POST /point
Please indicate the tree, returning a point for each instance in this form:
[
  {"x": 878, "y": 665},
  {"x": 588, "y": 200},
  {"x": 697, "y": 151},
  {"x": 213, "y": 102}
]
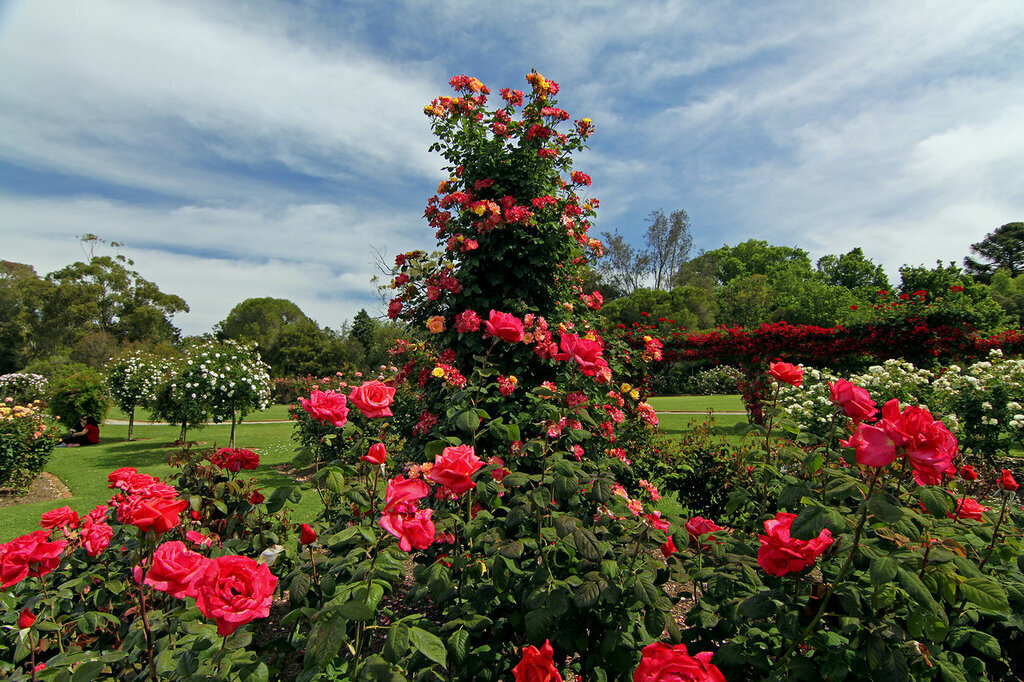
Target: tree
[
  {"x": 854, "y": 271},
  {"x": 1003, "y": 248},
  {"x": 953, "y": 295},
  {"x": 668, "y": 245},
  {"x": 622, "y": 265},
  {"x": 132, "y": 380},
  {"x": 260, "y": 320}
]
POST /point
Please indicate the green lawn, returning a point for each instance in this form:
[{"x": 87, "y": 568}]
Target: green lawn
[
  {"x": 272, "y": 413},
  {"x": 698, "y": 403},
  {"x": 679, "y": 424},
  {"x": 84, "y": 470}
]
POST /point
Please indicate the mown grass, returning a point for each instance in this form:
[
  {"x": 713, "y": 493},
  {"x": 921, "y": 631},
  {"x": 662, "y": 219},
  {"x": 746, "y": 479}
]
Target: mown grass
[
  {"x": 698, "y": 403},
  {"x": 272, "y": 413},
  {"x": 84, "y": 470}
]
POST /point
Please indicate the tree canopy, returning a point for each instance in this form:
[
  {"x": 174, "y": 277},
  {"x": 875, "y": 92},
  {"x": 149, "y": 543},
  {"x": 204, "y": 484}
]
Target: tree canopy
[{"x": 1003, "y": 248}]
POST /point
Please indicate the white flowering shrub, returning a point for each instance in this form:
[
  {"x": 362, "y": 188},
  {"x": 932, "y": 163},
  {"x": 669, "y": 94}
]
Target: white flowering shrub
[
  {"x": 897, "y": 379},
  {"x": 132, "y": 380},
  {"x": 809, "y": 405},
  {"x": 22, "y": 387},
  {"x": 720, "y": 380}
]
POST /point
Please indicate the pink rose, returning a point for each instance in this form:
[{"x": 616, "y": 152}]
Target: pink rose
[
  {"x": 326, "y": 406},
  {"x": 698, "y": 526},
  {"x": 59, "y": 518},
  {"x": 663, "y": 663},
  {"x": 873, "y": 445},
  {"x": 454, "y": 467},
  {"x": 786, "y": 373},
  {"x": 174, "y": 570},
  {"x": 968, "y": 508},
  {"x": 377, "y": 454},
  {"x": 854, "y": 400},
  {"x": 235, "y": 459},
  {"x": 158, "y": 514},
  {"x": 197, "y": 538},
  {"x": 95, "y": 536},
  {"x": 402, "y": 494},
  {"x": 117, "y": 475},
  {"x": 586, "y": 353},
  {"x": 412, "y": 530},
  {"x": 29, "y": 555},
  {"x": 25, "y": 619},
  {"x": 780, "y": 554},
  {"x": 467, "y": 322},
  {"x": 505, "y": 326},
  {"x": 669, "y": 548},
  {"x": 373, "y": 399},
  {"x": 234, "y": 590}
]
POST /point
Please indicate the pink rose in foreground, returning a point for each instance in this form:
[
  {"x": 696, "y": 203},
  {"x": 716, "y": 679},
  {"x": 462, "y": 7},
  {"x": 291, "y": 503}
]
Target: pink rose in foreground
[
  {"x": 95, "y": 536},
  {"x": 454, "y": 467},
  {"x": 234, "y": 590},
  {"x": 29, "y": 555},
  {"x": 402, "y": 494},
  {"x": 780, "y": 554},
  {"x": 587, "y": 353},
  {"x": 855, "y": 401},
  {"x": 174, "y": 570},
  {"x": 698, "y": 526},
  {"x": 786, "y": 373},
  {"x": 663, "y": 663},
  {"x": 373, "y": 399},
  {"x": 59, "y": 518},
  {"x": 414, "y": 530},
  {"x": 873, "y": 445},
  {"x": 326, "y": 406},
  {"x": 505, "y": 326},
  {"x": 537, "y": 665},
  {"x": 157, "y": 514}
]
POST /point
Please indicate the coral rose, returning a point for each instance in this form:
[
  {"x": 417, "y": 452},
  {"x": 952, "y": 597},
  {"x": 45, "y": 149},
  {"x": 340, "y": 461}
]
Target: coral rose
[
  {"x": 402, "y": 494},
  {"x": 95, "y": 536},
  {"x": 157, "y": 514},
  {"x": 780, "y": 554},
  {"x": 373, "y": 399},
  {"x": 968, "y": 508},
  {"x": 235, "y": 459},
  {"x": 537, "y": 665},
  {"x": 874, "y": 446},
  {"x": 505, "y": 326},
  {"x": 414, "y": 530},
  {"x": 786, "y": 373},
  {"x": 454, "y": 467},
  {"x": 586, "y": 353},
  {"x": 175, "y": 569},
  {"x": 234, "y": 590},
  {"x": 58, "y": 518},
  {"x": 663, "y": 663},
  {"x": 29, "y": 555},
  {"x": 377, "y": 454},
  {"x": 326, "y": 406},
  {"x": 855, "y": 401}
]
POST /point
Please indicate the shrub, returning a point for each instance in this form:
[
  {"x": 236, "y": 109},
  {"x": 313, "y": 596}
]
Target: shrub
[
  {"x": 27, "y": 440},
  {"x": 22, "y": 387},
  {"x": 80, "y": 392}
]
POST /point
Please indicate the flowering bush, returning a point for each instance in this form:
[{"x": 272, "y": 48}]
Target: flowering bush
[
  {"x": 132, "y": 380},
  {"x": 27, "y": 439},
  {"x": 719, "y": 380},
  {"x": 22, "y": 387}
]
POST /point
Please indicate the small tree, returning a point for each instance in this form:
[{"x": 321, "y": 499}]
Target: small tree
[
  {"x": 132, "y": 380},
  {"x": 181, "y": 397},
  {"x": 235, "y": 381},
  {"x": 1003, "y": 248}
]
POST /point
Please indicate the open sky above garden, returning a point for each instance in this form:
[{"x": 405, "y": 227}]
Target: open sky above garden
[{"x": 274, "y": 149}]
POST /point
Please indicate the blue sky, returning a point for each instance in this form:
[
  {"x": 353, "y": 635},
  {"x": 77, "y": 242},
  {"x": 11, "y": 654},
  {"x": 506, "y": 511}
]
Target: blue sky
[{"x": 274, "y": 148}]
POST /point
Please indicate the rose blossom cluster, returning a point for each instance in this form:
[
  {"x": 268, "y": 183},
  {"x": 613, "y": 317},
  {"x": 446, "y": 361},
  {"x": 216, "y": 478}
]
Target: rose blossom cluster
[
  {"x": 659, "y": 662},
  {"x": 372, "y": 398},
  {"x": 235, "y": 459},
  {"x": 780, "y": 553},
  {"x": 145, "y": 501}
]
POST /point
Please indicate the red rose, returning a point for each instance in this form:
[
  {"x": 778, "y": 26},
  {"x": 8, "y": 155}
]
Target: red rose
[
  {"x": 1006, "y": 481},
  {"x": 669, "y": 548},
  {"x": 256, "y": 497},
  {"x": 327, "y": 407},
  {"x": 412, "y": 530},
  {"x": 454, "y": 467},
  {"x": 968, "y": 473},
  {"x": 699, "y": 526},
  {"x": 467, "y": 322},
  {"x": 377, "y": 454},
  {"x": 58, "y": 518},
  {"x": 118, "y": 475},
  {"x": 29, "y": 555},
  {"x": 663, "y": 663},
  {"x": 157, "y": 514},
  {"x": 969, "y": 509},
  {"x": 402, "y": 494},
  {"x": 234, "y": 590},
  {"x": 780, "y": 554},
  {"x": 854, "y": 400},
  {"x": 175, "y": 568},
  {"x": 95, "y": 536},
  {"x": 307, "y": 535},
  {"x": 505, "y": 326},
  {"x": 235, "y": 459},
  {"x": 198, "y": 538},
  {"x": 874, "y": 446},
  {"x": 586, "y": 352},
  {"x": 373, "y": 399},
  {"x": 537, "y": 665},
  {"x": 786, "y": 373},
  {"x": 25, "y": 619}
]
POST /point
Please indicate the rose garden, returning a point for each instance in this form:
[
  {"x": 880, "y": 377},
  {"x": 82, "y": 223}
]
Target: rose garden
[{"x": 499, "y": 502}]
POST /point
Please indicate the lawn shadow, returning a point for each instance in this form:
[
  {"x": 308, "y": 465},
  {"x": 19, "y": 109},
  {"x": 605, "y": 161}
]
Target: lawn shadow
[{"x": 135, "y": 453}]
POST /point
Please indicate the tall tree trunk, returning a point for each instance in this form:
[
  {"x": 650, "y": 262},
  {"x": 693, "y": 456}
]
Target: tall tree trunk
[
  {"x": 234, "y": 421},
  {"x": 184, "y": 431},
  {"x": 131, "y": 423}
]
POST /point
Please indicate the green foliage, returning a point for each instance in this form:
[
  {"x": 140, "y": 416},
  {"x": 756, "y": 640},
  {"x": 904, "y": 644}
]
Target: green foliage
[
  {"x": 27, "y": 440},
  {"x": 81, "y": 391},
  {"x": 686, "y": 306},
  {"x": 1000, "y": 249}
]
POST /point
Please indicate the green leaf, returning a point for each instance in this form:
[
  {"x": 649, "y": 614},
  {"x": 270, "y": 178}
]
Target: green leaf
[
  {"x": 586, "y": 595},
  {"x": 883, "y": 570},
  {"x": 429, "y": 645},
  {"x": 882, "y": 509},
  {"x": 468, "y": 421},
  {"x": 565, "y": 525},
  {"x": 397, "y": 642},
  {"x": 951, "y": 672},
  {"x": 587, "y": 544},
  {"x": 299, "y": 588},
  {"x": 326, "y": 636},
  {"x": 538, "y": 624},
  {"x": 458, "y": 645},
  {"x": 601, "y": 491},
  {"x": 986, "y": 594},
  {"x": 334, "y": 480},
  {"x": 760, "y": 605},
  {"x": 938, "y": 502},
  {"x": 434, "y": 448},
  {"x": 515, "y": 479},
  {"x": 915, "y": 588},
  {"x": 812, "y": 520},
  {"x": 221, "y": 507},
  {"x": 986, "y": 644},
  {"x": 654, "y": 622}
]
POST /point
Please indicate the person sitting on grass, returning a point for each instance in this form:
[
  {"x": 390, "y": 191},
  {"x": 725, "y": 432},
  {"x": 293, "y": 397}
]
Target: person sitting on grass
[{"x": 88, "y": 433}]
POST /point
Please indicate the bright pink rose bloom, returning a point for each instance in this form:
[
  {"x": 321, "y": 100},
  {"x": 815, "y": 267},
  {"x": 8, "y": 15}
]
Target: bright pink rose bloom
[
  {"x": 780, "y": 554},
  {"x": 454, "y": 467},
  {"x": 402, "y": 495},
  {"x": 873, "y": 445},
  {"x": 58, "y": 518},
  {"x": 505, "y": 326},
  {"x": 120, "y": 474},
  {"x": 326, "y": 406},
  {"x": 377, "y": 454},
  {"x": 198, "y": 538},
  {"x": 157, "y": 514},
  {"x": 932, "y": 455},
  {"x": 467, "y": 322},
  {"x": 669, "y": 548},
  {"x": 663, "y": 663},
  {"x": 587, "y": 353},
  {"x": 29, "y": 555},
  {"x": 698, "y": 526},
  {"x": 175, "y": 569},
  {"x": 854, "y": 400},
  {"x": 537, "y": 665},
  {"x": 307, "y": 535},
  {"x": 25, "y": 619},
  {"x": 235, "y": 459},
  {"x": 969, "y": 509},
  {"x": 905, "y": 427},
  {"x": 412, "y": 530},
  {"x": 95, "y": 536},
  {"x": 786, "y": 373},
  {"x": 234, "y": 590},
  {"x": 373, "y": 399},
  {"x": 1006, "y": 481}
]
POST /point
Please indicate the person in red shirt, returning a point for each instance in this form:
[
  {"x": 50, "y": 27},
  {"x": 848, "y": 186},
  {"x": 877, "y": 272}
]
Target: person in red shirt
[{"x": 88, "y": 433}]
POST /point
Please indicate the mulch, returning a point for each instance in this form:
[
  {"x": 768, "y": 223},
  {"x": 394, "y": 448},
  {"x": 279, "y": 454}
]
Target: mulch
[{"x": 44, "y": 488}]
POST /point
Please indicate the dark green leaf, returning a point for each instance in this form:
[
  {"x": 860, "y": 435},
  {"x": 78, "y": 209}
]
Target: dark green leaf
[
  {"x": 299, "y": 588},
  {"x": 986, "y": 644},
  {"x": 883, "y": 570},
  {"x": 458, "y": 645},
  {"x": 587, "y": 595},
  {"x": 334, "y": 480},
  {"x": 468, "y": 421},
  {"x": 587, "y": 544},
  {"x": 882, "y": 509},
  {"x": 429, "y": 645},
  {"x": 397, "y": 642},
  {"x": 938, "y": 502},
  {"x": 326, "y": 637},
  {"x": 986, "y": 594},
  {"x": 538, "y": 624}
]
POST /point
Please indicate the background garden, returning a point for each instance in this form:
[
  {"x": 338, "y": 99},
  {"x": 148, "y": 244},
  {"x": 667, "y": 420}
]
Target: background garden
[{"x": 500, "y": 478}]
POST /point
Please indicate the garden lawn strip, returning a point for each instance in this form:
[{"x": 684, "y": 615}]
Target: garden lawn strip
[{"x": 698, "y": 403}]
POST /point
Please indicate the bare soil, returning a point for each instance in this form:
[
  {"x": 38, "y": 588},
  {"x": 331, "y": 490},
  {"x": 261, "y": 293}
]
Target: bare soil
[{"x": 44, "y": 488}]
